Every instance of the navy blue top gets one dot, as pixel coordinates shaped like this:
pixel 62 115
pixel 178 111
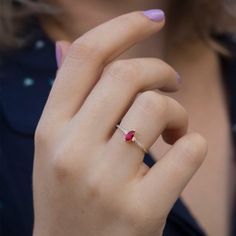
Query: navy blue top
pixel 26 77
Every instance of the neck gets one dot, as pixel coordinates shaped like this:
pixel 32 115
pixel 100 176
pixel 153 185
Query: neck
pixel 78 16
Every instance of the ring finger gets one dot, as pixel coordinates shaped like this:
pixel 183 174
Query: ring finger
pixel 115 92
pixel 151 115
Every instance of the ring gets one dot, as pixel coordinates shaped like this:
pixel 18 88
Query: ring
pixel 129 136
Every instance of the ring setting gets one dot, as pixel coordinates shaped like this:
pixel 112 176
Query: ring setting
pixel 129 137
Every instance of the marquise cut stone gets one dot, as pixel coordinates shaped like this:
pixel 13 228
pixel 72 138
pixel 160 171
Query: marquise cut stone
pixel 129 136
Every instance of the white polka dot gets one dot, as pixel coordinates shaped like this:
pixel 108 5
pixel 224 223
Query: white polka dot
pixel 28 82
pixel 39 44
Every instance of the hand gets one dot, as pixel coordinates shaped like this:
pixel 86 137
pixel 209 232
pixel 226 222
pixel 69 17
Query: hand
pixel 87 180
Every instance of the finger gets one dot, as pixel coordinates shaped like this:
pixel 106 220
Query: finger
pixel 65 45
pixel 149 116
pixel 118 87
pixel 165 181
pixel 61 51
pixel 87 57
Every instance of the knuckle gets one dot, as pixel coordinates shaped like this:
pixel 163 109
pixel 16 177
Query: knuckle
pixel 84 49
pixel 124 70
pixel 194 149
pixel 61 163
pixel 67 162
pixel 151 101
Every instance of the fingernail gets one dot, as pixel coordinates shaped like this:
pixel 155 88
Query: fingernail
pixel 155 14
pixel 58 54
pixel 178 78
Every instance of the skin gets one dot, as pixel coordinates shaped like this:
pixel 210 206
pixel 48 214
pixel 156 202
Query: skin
pixel 77 101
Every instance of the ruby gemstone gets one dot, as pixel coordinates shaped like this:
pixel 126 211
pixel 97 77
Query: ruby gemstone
pixel 129 136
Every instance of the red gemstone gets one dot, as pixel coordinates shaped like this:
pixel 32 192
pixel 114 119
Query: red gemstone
pixel 129 136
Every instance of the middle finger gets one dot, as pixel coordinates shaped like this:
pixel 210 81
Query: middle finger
pixel 114 93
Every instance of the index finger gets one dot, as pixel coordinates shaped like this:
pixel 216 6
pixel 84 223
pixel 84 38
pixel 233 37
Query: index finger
pixel 89 54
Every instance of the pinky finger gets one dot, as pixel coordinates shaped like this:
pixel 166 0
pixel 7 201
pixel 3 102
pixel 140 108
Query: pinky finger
pixel 165 181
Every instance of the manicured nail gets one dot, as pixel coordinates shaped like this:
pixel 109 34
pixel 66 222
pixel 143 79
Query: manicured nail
pixel 58 54
pixel 155 14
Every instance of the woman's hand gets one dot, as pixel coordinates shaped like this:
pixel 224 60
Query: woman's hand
pixel 87 180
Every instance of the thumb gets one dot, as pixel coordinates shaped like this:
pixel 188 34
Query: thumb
pixel 61 51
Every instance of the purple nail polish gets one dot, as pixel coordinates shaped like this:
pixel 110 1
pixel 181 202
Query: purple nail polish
pixel 178 78
pixel 155 15
pixel 58 54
